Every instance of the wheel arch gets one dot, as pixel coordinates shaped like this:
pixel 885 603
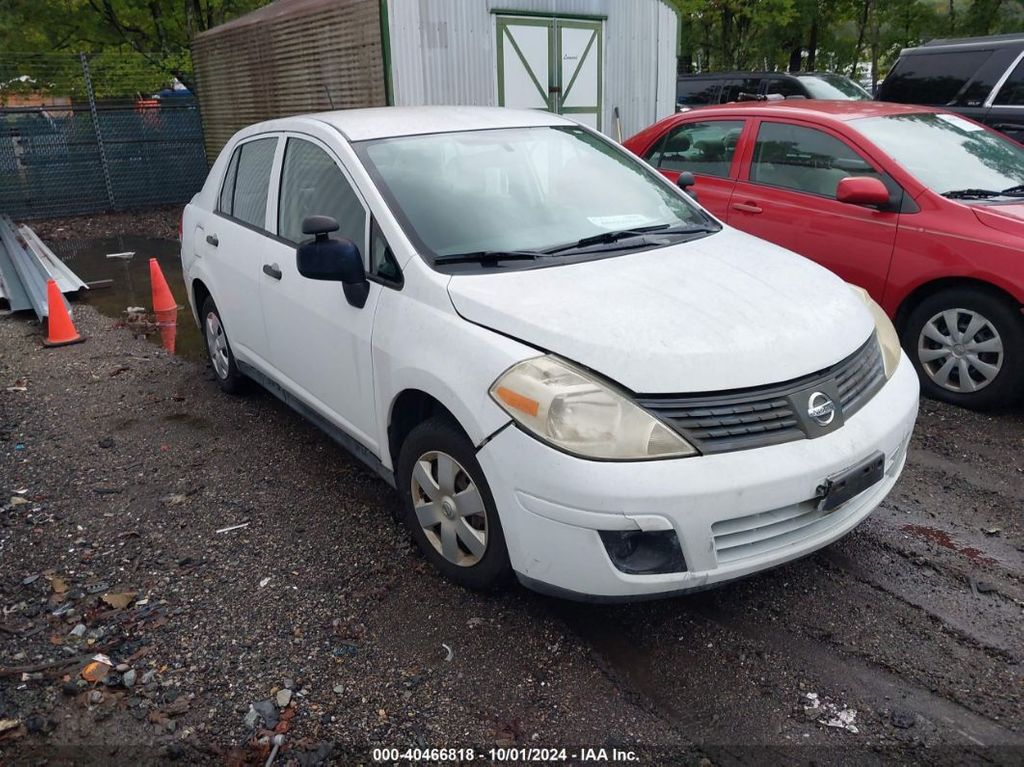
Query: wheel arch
pixel 409 409
pixel 930 288
pixel 199 294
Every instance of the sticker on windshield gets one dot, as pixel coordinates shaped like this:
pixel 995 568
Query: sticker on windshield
pixel 958 122
pixel 622 221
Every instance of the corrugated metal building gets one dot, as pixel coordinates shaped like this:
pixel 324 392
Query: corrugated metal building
pixel 582 58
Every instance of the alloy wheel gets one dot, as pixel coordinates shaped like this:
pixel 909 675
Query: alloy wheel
pixel 960 350
pixel 217 345
pixel 449 508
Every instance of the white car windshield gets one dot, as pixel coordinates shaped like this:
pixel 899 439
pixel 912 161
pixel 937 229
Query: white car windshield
pixel 949 154
pixel 521 189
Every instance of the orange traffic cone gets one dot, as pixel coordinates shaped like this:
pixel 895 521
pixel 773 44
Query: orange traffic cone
pixel 60 330
pixel 163 301
pixel 167 322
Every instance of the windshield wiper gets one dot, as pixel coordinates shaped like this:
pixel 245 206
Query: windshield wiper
pixel 980 194
pixel 605 238
pixel 489 256
pixel 970 194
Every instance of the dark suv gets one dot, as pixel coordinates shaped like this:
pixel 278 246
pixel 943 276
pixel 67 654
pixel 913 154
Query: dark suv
pixel 723 87
pixel 979 77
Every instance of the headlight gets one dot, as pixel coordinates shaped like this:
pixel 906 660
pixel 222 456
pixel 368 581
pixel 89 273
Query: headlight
pixel 884 331
pixel 567 407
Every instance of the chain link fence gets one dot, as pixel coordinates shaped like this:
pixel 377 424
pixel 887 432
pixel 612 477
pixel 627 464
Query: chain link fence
pixel 82 134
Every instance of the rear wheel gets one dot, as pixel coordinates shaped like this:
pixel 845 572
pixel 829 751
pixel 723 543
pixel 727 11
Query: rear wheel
pixel 968 347
pixel 448 507
pixel 219 350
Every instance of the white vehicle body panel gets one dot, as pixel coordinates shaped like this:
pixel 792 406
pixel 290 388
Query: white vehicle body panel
pixel 657 321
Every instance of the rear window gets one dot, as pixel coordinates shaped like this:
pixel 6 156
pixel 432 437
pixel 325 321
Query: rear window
pixel 931 78
pixel 694 93
pixel 244 193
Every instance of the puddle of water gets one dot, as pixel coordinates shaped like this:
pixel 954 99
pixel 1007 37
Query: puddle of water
pixel 130 286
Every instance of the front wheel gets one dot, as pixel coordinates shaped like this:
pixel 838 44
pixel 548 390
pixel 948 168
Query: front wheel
pixel 448 507
pixel 968 347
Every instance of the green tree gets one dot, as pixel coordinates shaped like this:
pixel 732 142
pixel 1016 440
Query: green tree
pixel 157 32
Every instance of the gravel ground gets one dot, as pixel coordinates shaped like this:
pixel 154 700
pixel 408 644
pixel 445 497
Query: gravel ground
pixel 120 464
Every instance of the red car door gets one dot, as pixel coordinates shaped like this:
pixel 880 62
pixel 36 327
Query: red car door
pixel 706 148
pixel 786 194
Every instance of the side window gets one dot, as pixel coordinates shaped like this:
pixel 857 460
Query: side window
pixel 1012 92
pixel 696 92
pixel 312 184
pixel 740 90
pixel 252 179
pixel 804 159
pixel 227 190
pixel 382 260
pixel 785 87
pixel 705 148
pixel 931 78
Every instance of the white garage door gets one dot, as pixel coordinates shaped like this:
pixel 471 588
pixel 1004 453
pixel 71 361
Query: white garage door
pixel 552 64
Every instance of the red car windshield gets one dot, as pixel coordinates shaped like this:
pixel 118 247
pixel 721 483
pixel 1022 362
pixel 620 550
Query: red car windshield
pixel 950 155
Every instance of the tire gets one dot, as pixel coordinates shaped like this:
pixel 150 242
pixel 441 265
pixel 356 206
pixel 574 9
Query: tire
pixel 222 360
pixel 982 372
pixel 467 549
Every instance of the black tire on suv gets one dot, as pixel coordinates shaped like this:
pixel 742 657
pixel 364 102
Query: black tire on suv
pixel 967 344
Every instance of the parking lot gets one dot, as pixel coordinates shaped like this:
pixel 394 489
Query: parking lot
pixel 129 462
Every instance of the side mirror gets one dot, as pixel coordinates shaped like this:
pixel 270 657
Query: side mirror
pixel 862 190
pixel 686 182
pixel 335 260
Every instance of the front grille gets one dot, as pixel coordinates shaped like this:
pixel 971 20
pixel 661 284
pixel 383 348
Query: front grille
pixel 770 415
pixel 758 534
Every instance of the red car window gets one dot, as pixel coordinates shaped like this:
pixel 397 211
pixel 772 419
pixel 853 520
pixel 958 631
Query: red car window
pixel 804 159
pixel 705 148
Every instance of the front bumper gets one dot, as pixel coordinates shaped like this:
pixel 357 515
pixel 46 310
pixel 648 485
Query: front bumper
pixel 734 513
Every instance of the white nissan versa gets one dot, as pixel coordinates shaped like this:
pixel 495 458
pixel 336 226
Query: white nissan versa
pixel 566 367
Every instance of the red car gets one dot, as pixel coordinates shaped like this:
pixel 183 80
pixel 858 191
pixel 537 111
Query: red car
pixel 921 207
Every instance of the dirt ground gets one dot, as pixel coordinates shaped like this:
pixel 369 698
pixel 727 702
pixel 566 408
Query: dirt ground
pixel 121 467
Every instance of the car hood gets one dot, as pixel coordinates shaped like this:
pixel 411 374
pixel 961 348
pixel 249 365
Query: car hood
pixel 727 311
pixel 1004 218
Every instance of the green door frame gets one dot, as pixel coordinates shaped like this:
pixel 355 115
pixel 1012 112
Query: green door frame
pixel 556 91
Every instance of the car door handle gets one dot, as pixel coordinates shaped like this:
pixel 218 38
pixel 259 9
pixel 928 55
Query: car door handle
pixel 212 240
pixel 747 207
pixel 272 270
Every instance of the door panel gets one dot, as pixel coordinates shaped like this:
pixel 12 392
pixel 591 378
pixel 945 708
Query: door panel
pixel 551 64
pixel 524 64
pixel 319 343
pixel 579 56
pixel 787 196
pixel 233 243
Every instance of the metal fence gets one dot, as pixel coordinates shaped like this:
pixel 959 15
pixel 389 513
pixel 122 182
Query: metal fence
pixel 82 154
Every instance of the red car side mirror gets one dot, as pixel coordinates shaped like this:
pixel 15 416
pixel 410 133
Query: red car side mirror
pixel 862 190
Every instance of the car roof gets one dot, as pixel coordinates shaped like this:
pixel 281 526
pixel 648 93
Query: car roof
pixel 840 111
pixel 760 73
pixel 968 43
pixel 387 122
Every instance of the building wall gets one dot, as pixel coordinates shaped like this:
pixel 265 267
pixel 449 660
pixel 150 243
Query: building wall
pixel 444 52
pixel 290 57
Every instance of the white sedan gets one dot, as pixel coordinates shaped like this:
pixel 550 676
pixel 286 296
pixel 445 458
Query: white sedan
pixel 568 369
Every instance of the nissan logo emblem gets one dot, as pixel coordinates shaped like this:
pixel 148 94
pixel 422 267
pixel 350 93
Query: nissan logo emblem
pixel 821 408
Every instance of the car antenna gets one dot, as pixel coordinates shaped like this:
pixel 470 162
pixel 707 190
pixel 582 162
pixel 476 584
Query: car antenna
pixel 329 99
